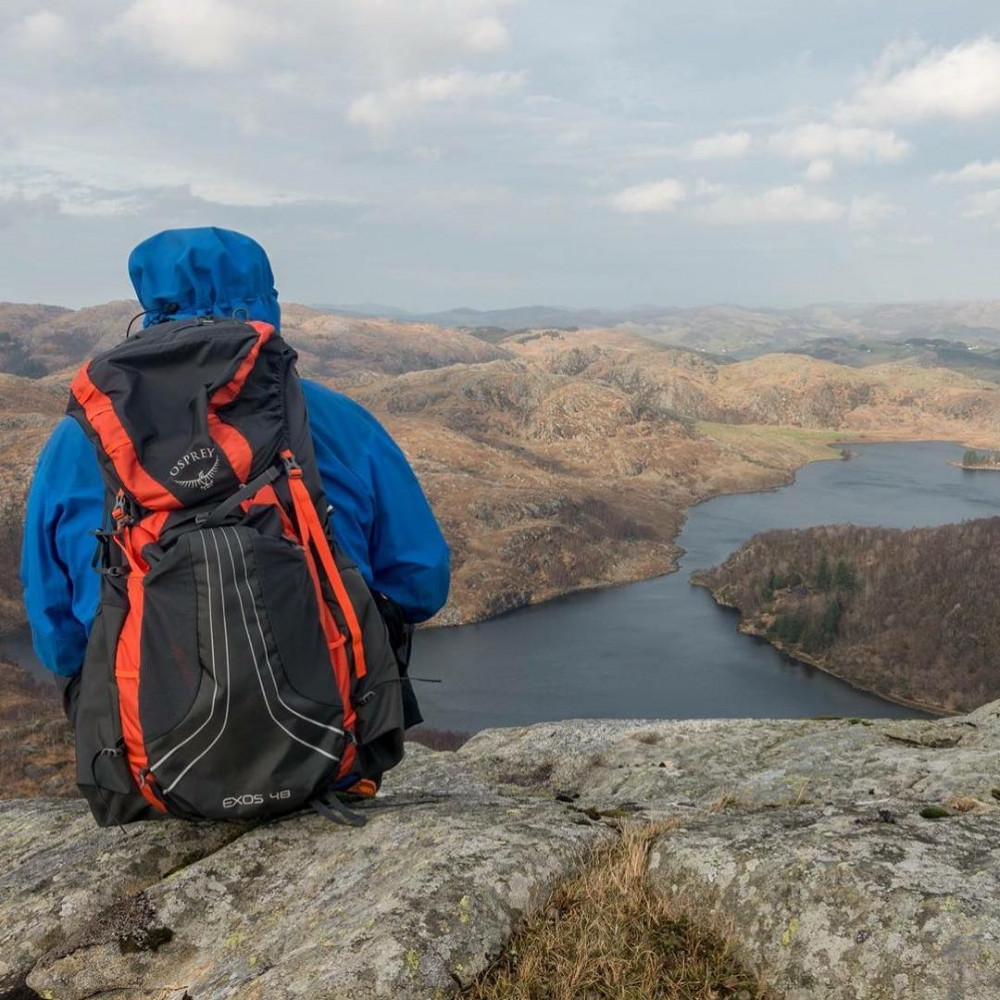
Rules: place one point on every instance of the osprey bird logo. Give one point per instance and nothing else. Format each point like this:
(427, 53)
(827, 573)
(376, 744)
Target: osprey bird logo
(204, 477)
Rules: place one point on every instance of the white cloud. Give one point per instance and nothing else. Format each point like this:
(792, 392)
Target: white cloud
(869, 210)
(784, 204)
(380, 110)
(819, 171)
(704, 188)
(660, 196)
(985, 204)
(41, 33)
(208, 35)
(972, 172)
(721, 146)
(820, 140)
(962, 82)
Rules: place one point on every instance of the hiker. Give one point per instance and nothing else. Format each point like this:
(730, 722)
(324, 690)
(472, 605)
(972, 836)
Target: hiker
(156, 432)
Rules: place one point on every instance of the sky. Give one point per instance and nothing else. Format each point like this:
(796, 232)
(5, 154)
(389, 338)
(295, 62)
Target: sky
(492, 153)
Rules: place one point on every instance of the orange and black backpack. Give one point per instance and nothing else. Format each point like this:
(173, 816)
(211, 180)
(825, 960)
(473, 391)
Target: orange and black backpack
(238, 665)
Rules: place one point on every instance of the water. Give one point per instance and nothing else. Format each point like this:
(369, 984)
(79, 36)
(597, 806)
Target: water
(664, 649)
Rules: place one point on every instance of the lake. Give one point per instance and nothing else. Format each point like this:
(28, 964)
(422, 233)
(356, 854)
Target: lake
(664, 649)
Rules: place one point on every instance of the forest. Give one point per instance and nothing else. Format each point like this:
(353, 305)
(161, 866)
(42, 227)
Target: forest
(910, 615)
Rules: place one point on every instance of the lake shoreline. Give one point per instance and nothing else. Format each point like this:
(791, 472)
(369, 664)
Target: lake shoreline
(11, 627)
(746, 627)
(788, 479)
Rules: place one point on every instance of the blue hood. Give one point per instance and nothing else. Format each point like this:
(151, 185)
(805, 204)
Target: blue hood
(182, 273)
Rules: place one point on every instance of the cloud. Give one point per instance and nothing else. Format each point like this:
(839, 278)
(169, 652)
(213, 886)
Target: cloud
(962, 82)
(869, 210)
(819, 171)
(703, 188)
(380, 110)
(721, 146)
(971, 173)
(820, 140)
(17, 207)
(660, 196)
(783, 204)
(985, 204)
(42, 33)
(206, 35)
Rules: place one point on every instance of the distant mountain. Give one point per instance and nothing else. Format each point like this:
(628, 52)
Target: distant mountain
(45, 340)
(732, 329)
(519, 318)
(554, 459)
(924, 352)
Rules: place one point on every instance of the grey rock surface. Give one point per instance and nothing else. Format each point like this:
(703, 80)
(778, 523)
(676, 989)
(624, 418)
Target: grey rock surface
(413, 905)
(808, 834)
(58, 871)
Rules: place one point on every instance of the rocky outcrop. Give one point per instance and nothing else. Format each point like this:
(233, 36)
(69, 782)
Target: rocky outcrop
(410, 906)
(856, 861)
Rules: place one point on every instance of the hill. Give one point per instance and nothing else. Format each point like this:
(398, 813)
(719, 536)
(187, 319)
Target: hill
(733, 329)
(910, 615)
(40, 340)
(554, 459)
(923, 352)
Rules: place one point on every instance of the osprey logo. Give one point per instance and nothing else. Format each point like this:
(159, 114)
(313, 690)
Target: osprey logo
(200, 467)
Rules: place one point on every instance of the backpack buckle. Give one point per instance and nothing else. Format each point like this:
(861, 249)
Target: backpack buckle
(124, 510)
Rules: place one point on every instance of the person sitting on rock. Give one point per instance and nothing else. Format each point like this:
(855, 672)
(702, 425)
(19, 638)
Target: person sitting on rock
(381, 518)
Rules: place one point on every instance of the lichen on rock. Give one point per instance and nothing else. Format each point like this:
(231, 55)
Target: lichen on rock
(806, 835)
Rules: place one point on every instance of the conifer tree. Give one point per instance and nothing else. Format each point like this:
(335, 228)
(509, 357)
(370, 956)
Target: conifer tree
(823, 576)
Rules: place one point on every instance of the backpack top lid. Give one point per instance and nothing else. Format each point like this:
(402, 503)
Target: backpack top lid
(207, 271)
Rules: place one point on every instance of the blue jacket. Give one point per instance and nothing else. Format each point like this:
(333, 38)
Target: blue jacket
(381, 518)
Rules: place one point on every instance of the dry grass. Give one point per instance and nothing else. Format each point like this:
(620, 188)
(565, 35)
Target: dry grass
(38, 756)
(605, 935)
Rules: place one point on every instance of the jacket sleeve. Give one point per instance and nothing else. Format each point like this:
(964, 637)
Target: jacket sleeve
(65, 504)
(409, 556)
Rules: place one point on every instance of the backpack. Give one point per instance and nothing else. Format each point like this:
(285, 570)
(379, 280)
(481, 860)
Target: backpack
(238, 666)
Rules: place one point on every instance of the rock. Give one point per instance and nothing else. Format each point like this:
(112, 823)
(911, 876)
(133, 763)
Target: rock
(807, 834)
(831, 909)
(58, 871)
(414, 903)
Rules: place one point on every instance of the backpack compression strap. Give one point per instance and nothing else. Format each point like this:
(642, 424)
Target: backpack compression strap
(312, 530)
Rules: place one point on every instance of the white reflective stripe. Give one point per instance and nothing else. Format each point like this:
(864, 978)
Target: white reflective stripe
(256, 665)
(215, 675)
(263, 642)
(225, 634)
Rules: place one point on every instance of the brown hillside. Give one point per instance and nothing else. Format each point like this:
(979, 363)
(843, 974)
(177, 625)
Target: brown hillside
(910, 615)
(546, 482)
(339, 346)
(563, 459)
(28, 412)
(58, 340)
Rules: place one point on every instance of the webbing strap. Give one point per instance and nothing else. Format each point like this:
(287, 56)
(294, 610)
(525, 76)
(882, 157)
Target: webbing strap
(312, 530)
(230, 504)
(330, 807)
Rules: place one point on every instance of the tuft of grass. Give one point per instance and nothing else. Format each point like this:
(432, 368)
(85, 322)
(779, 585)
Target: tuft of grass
(726, 801)
(934, 812)
(964, 804)
(647, 737)
(605, 935)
